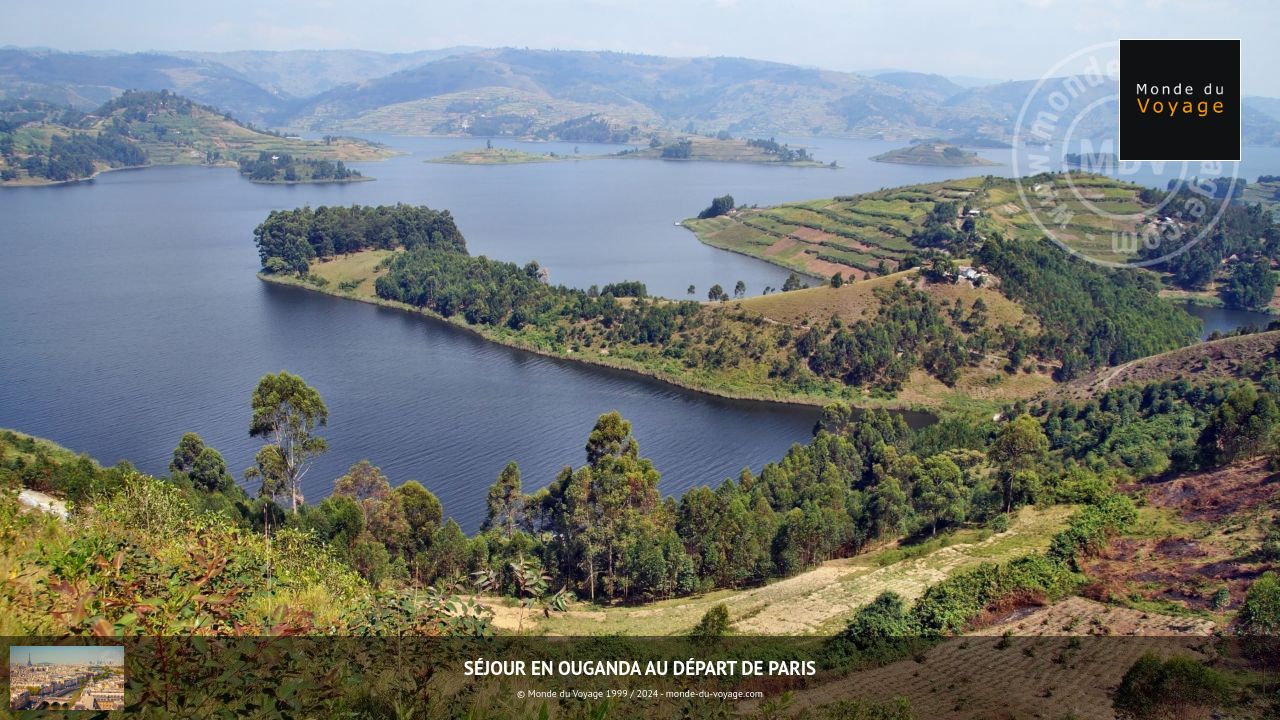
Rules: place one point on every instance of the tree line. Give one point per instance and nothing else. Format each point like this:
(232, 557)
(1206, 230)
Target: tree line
(288, 240)
(279, 167)
(1195, 245)
(1089, 316)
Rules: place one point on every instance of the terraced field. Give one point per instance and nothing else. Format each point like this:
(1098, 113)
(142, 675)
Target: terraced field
(864, 235)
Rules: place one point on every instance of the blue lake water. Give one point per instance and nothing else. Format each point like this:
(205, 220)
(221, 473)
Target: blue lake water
(131, 313)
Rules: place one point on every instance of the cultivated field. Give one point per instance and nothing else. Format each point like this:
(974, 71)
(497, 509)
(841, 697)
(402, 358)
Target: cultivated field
(866, 234)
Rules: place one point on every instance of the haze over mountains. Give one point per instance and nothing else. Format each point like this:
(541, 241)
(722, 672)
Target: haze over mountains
(537, 93)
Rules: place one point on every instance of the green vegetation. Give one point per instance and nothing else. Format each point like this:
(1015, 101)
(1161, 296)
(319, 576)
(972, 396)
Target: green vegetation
(888, 230)
(1265, 192)
(724, 148)
(148, 556)
(1179, 686)
(926, 153)
(1236, 251)
(273, 168)
(863, 338)
(1091, 162)
(498, 156)
(288, 240)
(719, 206)
(602, 531)
(882, 232)
(42, 143)
(1089, 316)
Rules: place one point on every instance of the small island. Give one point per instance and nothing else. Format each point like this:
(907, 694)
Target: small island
(497, 156)
(929, 153)
(282, 169)
(1091, 161)
(723, 148)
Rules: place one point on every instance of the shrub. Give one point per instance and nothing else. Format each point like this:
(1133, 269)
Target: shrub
(1090, 528)
(713, 625)
(1173, 688)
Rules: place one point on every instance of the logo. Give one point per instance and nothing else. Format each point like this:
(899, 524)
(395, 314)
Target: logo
(1067, 134)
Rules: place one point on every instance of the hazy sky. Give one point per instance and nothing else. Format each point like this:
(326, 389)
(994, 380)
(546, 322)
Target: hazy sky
(66, 654)
(998, 39)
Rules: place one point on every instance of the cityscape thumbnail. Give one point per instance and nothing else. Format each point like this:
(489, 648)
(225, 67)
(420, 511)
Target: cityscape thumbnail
(61, 677)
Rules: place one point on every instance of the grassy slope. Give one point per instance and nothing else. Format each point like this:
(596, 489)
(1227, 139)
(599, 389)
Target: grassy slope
(1268, 194)
(818, 601)
(1223, 358)
(852, 235)
(9, 447)
(984, 386)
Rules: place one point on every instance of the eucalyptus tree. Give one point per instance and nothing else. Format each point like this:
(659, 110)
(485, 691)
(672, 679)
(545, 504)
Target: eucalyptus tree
(286, 412)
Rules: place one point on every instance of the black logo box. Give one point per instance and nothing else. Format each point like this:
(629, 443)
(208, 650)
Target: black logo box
(1187, 65)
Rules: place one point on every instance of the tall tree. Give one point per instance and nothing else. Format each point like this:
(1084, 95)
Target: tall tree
(422, 510)
(940, 491)
(1018, 447)
(604, 509)
(209, 471)
(287, 411)
(505, 501)
(184, 456)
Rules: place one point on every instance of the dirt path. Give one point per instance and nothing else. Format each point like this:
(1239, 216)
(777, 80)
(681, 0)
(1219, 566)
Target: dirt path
(45, 503)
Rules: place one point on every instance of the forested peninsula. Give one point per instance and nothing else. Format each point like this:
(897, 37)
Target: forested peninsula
(921, 336)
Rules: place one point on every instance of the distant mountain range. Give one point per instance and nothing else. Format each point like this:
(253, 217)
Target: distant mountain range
(530, 93)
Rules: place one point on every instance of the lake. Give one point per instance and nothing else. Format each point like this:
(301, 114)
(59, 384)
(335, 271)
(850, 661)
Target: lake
(1224, 320)
(130, 314)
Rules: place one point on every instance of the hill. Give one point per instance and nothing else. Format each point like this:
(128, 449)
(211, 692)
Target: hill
(1242, 356)
(938, 85)
(930, 153)
(856, 234)
(303, 73)
(86, 81)
(526, 93)
(42, 143)
(1265, 192)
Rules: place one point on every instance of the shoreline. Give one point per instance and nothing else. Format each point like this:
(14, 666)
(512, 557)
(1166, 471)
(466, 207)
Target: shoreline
(72, 181)
(605, 361)
(762, 258)
(362, 178)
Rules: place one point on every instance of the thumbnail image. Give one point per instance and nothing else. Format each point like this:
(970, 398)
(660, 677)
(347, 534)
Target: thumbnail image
(77, 677)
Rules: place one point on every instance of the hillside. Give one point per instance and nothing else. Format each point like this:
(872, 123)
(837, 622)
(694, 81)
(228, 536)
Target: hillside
(1265, 192)
(526, 93)
(855, 234)
(42, 143)
(1242, 356)
(303, 73)
(935, 154)
(86, 81)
